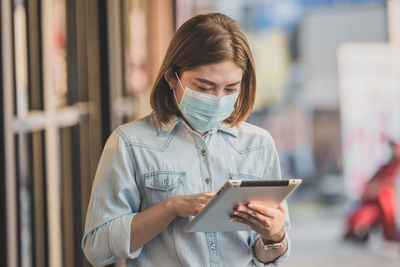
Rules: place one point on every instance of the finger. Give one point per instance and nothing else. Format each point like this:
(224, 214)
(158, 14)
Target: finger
(282, 208)
(263, 209)
(263, 221)
(244, 221)
(256, 213)
(243, 208)
(200, 201)
(209, 196)
(206, 196)
(198, 208)
(260, 223)
(203, 194)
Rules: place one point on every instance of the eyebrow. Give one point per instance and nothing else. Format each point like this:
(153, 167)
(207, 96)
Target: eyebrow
(213, 84)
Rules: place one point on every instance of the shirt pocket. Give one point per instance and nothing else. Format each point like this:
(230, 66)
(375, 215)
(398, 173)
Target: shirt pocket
(165, 184)
(241, 176)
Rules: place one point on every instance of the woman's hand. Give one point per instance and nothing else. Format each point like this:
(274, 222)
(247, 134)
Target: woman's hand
(267, 221)
(188, 205)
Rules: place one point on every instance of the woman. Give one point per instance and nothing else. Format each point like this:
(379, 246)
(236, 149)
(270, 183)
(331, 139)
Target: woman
(156, 172)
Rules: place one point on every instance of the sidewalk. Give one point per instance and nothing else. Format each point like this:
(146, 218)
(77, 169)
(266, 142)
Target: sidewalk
(316, 236)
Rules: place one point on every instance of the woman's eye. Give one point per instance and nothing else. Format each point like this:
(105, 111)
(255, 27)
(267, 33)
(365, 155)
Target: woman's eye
(203, 89)
(230, 90)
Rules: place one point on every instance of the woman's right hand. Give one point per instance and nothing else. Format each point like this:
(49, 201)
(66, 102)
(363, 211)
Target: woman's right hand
(188, 205)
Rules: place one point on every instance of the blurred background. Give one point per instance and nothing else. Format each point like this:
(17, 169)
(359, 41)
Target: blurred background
(328, 81)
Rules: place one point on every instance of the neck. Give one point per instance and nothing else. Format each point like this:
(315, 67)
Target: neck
(191, 127)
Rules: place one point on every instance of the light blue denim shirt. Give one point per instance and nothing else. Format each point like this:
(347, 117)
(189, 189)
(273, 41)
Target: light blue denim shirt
(144, 163)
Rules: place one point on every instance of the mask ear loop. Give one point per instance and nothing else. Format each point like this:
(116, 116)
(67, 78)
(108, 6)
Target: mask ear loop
(176, 99)
(179, 80)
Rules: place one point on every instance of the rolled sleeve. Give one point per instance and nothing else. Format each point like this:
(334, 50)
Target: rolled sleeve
(114, 202)
(114, 235)
(120, 237)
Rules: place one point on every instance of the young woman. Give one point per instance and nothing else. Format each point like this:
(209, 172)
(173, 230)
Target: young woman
(156, 172)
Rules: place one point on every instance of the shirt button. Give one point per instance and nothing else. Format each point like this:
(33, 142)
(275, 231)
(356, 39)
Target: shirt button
(207, 180)
(213, 246)
(203, 152)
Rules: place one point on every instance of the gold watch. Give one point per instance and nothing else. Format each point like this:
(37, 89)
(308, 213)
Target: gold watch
(272, 246)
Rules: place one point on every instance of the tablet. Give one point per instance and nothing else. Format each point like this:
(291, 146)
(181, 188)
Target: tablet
(214, 217)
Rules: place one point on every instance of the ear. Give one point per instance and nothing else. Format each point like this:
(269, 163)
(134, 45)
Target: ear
(170, 77)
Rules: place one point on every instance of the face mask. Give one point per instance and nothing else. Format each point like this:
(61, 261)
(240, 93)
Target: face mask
(204, 111)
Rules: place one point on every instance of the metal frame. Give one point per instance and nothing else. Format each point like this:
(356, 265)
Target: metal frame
(65, 117)
(38, 174)
(3, 224)
(8, 105)
(52, 143)
(115, 60)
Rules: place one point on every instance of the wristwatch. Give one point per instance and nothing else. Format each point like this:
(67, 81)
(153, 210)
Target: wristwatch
(272, 246)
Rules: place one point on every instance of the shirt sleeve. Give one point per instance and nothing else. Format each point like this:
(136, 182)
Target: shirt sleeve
(281, 258)
(114, 201)
(273, 171)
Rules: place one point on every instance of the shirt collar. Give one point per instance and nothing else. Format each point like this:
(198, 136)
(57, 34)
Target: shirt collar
(227, 129)
(166, 128)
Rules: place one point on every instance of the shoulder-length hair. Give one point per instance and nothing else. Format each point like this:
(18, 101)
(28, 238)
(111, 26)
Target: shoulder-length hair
(202, 40)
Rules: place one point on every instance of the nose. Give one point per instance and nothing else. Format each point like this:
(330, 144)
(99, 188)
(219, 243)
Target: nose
(219, 92)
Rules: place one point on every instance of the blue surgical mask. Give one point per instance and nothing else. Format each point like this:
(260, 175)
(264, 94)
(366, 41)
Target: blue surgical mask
(204, 111)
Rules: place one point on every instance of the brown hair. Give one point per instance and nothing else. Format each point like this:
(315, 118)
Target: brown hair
(202, 40)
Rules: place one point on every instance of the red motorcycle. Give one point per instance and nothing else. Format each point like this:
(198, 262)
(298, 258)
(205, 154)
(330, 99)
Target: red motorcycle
(378, 203)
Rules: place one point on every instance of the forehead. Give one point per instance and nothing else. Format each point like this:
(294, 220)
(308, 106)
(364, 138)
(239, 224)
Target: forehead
(220, 73)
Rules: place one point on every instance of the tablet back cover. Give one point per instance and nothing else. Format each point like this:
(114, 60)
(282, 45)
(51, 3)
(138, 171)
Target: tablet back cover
(214, 217)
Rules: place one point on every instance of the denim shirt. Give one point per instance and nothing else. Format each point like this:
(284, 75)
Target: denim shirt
(144, 162)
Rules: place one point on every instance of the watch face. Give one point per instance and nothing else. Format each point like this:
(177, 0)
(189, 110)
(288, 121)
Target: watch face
(272, 246)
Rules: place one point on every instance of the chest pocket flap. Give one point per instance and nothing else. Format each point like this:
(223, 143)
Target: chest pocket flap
(164, 180)
(162, 185)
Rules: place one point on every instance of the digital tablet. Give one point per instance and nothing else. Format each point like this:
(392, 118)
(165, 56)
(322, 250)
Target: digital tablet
(214, 217)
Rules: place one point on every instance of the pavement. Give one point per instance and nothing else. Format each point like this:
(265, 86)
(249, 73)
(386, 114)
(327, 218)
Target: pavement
(316, 234)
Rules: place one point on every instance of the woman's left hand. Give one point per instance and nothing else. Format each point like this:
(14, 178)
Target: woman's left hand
(267, 221)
